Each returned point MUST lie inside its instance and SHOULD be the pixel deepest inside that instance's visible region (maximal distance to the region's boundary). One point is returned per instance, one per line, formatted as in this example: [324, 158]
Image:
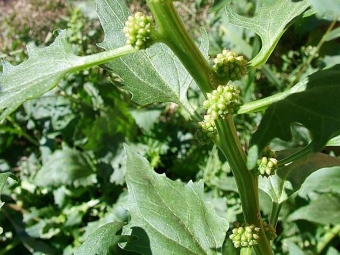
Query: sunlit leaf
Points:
[104, 241]
[152, 75]
[43, 70]
[270, 22]
[169, 217]
[316, 108]
[327, 9]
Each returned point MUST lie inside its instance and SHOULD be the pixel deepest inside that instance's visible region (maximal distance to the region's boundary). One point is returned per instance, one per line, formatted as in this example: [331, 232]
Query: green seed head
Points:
[268, 164]
[138, 30]
[244, 235]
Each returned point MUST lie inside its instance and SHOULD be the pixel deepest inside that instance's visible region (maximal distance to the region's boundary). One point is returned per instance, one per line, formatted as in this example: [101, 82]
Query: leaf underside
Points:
[151, 75]
[316, 108]
[167, 216]
[269, 23]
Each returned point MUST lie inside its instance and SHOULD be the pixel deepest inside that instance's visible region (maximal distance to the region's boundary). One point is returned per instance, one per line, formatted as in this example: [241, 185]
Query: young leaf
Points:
[66, 167]
[3, 180]
[269, 23]
[104, 241]
[167, 216]
[43, 70]
[152, 75]
[316, 108]
[289, 179]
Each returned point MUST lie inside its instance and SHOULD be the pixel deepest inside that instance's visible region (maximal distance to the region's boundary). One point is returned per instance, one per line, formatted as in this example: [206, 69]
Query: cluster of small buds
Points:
[206, 129]
[268, 164]
[269, 230]
[230, 65]
[244, 235]
[138, 29]
[222, 101]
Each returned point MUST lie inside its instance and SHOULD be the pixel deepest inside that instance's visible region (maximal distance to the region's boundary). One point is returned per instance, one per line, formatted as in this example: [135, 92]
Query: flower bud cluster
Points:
[206, 129]
[138, 29]
[230, 65]
[244, 235]
[222, 101]
[269, 230]
[268, 164]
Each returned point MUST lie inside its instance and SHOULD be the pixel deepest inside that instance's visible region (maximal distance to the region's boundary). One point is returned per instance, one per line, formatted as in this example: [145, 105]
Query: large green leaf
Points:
[104, 241]
[289, 179]
[167, 216]
[317, 108]
[270, 22]
[323, 181]
[66, 167]
[43, 70]
[324, 210]
[3, 181]
[151, 75]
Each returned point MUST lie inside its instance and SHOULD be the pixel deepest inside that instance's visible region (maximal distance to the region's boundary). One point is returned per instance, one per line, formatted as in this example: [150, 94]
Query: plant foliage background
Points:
[63, 156]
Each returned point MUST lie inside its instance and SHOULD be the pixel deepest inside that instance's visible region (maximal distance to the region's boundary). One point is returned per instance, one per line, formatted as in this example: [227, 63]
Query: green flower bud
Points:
[138, 30]
[222, 101]
[206, 130]
[269, 231]
[244, 235]
[230, 65]
[268, 164]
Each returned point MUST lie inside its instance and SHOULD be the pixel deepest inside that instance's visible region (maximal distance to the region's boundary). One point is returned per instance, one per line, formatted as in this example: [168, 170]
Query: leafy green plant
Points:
[163, 62]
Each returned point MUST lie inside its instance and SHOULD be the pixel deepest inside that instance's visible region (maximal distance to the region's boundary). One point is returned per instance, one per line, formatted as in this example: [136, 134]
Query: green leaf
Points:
[66, 167]
[270, 23]
[104, 241]
[316, 108]
[289, 179]
[167, 216]
[3, 181]
[152, 75]
[327, 9]
[324, 210]
[43, 70]
[323, 181]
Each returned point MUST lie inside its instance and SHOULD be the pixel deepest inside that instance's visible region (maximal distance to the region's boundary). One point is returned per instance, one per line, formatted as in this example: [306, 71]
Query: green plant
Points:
[168, 217]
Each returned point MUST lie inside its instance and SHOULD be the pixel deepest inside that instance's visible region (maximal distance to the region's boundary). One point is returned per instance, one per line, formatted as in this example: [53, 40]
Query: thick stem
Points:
[247, 183]
[175, 36]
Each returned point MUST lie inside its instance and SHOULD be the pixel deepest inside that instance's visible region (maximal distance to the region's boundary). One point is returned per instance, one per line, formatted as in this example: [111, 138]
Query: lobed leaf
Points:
[289, 179]
[270, 22]
[104, 241]
[43, 70]
[316, 108]
[167, 216]
[151, 75]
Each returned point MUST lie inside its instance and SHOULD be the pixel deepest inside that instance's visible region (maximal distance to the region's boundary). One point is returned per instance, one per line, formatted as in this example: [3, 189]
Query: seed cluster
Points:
[244, 235]
[268, 164]
[138, 29]
[230, 65]
[269, 230]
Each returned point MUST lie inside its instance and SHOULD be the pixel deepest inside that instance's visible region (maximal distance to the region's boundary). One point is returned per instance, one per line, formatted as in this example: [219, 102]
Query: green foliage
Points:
[78, 191]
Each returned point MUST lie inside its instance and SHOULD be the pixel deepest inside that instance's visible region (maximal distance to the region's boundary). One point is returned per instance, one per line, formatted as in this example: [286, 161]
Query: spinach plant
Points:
[156, 60]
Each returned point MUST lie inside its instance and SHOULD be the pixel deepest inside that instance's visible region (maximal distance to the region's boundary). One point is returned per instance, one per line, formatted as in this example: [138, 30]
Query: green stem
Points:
[247, 183]
[328, 237]
[274, 215]
[301, 153]
[22, 132]
[173, 33]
